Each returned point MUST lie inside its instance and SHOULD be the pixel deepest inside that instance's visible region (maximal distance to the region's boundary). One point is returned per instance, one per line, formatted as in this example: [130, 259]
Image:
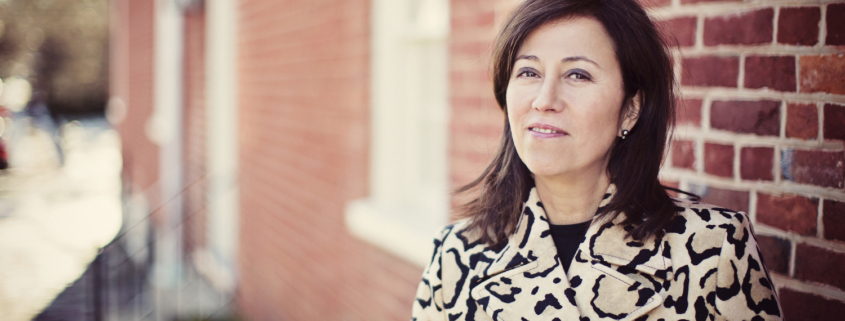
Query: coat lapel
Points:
[526, 280]
[624, 278]
[610, 278]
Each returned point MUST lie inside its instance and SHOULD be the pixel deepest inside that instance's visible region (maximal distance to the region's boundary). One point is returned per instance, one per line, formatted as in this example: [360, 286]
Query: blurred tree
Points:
[60, 46]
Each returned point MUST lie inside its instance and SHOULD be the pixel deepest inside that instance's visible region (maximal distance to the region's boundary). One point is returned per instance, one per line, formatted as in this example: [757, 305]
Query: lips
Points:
[546, 130]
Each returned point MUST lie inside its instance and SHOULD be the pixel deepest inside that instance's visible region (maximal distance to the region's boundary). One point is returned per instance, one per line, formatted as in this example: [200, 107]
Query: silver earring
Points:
[624, 133]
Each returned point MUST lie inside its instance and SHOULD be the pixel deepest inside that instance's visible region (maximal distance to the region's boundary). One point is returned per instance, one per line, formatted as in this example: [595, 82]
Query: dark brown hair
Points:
[634, 162]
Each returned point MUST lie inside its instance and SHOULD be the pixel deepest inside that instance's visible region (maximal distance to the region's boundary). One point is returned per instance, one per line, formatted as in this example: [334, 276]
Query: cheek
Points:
[509, 100]
[518, 102]
[603, 124]
[603, 117]
[600, 133]
[602, 130]
[512, 109]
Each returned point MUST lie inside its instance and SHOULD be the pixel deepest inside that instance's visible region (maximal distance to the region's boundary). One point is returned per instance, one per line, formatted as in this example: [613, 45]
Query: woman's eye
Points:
[578, 76]
[526, 73]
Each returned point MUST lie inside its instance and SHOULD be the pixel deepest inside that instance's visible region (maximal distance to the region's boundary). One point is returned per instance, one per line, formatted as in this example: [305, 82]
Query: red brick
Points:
[734, 200]
[799, 25]
[710, 71]
[823, 73]
[748, 28]
[755, 163]
[833, 220]
[470, 49]
[681, 30]
[775, 253]
[683, 154]
[719, 159]
[802, 121]
[815, 167]
[654, 3]
[774, 72]
[689, 112]
[672, 184]
[834, 121]
[820, 265]
[134, 82]
[792, 213]
[835, 24]
[697, 1]
[800, 306]
[750, 117]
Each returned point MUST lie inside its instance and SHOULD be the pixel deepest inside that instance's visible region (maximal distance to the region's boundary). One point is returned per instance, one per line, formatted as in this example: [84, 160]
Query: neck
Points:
[572, 200]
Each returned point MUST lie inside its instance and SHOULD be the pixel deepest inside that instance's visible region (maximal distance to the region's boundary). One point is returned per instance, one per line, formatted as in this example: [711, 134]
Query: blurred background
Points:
[291, 160]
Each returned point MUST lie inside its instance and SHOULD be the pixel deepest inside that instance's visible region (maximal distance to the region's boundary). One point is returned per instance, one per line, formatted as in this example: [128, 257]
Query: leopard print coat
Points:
[707, 266]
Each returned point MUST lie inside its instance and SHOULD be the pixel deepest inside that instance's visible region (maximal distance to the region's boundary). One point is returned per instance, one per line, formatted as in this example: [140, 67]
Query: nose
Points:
[547, 98]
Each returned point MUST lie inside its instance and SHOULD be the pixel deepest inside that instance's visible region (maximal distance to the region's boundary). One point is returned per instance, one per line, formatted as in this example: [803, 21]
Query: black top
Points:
[567, 238]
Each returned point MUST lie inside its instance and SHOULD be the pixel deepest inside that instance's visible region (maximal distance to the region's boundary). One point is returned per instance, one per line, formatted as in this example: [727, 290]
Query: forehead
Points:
[572, 36]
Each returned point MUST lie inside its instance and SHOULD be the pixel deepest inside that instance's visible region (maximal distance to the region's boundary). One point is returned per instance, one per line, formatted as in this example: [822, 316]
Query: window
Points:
[409, 196]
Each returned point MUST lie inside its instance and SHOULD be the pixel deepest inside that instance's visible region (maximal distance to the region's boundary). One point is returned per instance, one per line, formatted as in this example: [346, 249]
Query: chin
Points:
[545, 169]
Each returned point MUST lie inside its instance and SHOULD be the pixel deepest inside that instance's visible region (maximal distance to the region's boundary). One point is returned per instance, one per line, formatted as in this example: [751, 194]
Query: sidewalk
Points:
[53, 219]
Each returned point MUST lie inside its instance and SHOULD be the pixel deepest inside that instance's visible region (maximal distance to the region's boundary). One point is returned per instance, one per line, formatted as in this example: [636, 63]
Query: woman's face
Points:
[564, 99]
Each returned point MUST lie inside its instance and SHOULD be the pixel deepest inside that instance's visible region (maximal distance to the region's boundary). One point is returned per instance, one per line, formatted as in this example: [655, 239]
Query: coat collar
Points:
[530, 260]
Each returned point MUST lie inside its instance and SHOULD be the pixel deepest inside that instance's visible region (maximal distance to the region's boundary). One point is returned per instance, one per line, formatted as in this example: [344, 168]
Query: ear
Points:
[631, 113]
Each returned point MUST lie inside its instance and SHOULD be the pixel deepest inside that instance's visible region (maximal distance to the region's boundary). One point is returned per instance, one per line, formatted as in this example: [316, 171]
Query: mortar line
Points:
[736, 168]
[820, 219]
[820, 115]
[752, 205]
[797, 73]
[822, 26]
[792, 248]
[740, 82]
[775, 23]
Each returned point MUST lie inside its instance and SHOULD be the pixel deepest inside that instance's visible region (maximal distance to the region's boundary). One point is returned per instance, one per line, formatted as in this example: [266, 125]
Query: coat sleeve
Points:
[428, 304]
[744, 290]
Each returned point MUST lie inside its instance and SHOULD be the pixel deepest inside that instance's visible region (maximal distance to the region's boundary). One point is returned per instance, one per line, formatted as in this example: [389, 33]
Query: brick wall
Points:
[194, 130]
[133, 82]
[761, 130]
[304, 136]
[476, 123]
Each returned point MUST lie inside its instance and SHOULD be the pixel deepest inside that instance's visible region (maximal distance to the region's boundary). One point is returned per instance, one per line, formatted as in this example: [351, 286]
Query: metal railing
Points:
[121, 282]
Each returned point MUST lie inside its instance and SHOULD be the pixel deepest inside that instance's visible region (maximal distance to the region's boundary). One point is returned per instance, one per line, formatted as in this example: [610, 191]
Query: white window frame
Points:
[218, 261]
[409, 198]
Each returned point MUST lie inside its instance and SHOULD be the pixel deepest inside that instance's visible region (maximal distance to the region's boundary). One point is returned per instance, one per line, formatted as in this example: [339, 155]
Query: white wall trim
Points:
[164, 129]
[367, 222]
[222, 131]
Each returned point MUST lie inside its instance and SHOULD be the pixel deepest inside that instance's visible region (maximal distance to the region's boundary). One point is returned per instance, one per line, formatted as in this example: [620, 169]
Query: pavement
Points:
[54, 217]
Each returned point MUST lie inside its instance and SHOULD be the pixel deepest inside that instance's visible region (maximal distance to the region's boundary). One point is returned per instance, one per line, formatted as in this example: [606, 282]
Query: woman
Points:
[570, 221]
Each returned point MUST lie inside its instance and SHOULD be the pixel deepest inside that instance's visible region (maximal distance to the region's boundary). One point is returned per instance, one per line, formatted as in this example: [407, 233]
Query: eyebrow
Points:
[567, 59]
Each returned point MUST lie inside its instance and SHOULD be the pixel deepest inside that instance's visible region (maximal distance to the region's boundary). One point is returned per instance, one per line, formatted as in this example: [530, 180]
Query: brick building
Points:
[311, 145]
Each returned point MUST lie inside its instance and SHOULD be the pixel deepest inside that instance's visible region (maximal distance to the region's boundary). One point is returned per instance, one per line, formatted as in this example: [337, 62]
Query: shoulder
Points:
[458, 250]
[457, 237]
[708, 213]
[716, 232]
[707, 223]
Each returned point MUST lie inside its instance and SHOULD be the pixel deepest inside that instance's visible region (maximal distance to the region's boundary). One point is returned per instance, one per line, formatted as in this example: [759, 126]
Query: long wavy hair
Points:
[634, 162]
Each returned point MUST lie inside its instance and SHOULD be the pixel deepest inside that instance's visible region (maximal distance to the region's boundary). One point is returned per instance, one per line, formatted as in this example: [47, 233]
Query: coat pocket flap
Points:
[618, 296]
